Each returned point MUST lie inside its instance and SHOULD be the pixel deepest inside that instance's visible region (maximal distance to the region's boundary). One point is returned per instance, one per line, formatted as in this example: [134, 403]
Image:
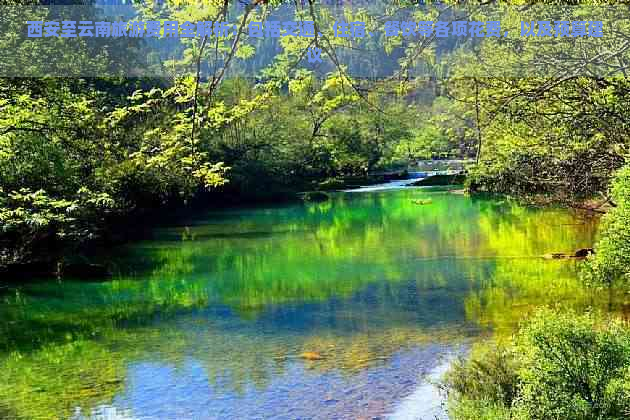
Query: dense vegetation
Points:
[561, 366]
[77, 155]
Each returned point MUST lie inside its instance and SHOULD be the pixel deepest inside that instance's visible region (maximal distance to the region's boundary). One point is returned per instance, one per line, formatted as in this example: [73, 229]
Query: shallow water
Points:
[343, 309]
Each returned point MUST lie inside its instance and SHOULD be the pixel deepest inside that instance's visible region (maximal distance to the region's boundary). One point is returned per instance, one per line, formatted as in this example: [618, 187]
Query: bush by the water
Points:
[484, 386]
[612, 260]
[560, 366]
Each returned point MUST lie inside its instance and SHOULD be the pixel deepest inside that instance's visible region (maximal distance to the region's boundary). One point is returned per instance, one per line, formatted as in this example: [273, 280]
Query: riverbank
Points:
[58, 259]
[53, 256]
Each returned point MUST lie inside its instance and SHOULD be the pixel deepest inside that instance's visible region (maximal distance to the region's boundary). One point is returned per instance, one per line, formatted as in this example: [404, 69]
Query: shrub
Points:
[29, 219]
[489, 375]
[560, 366]
[573, 367]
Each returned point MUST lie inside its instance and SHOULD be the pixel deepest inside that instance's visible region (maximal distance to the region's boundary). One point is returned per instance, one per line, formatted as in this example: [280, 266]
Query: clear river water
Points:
[350, 308]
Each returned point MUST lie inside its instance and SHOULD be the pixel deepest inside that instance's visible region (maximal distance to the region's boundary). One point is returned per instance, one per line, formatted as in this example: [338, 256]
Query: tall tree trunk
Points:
[477, 122]
[193, 147]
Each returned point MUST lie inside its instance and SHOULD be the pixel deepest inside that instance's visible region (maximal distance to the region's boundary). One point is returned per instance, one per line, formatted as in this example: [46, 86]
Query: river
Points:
[350, 308]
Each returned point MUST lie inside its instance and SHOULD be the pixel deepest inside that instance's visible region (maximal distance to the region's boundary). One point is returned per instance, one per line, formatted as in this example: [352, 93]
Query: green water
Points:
[322, 310]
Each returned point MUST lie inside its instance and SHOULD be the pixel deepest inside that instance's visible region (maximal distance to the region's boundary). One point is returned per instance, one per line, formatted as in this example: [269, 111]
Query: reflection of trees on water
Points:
[353, 280]
[518, 285]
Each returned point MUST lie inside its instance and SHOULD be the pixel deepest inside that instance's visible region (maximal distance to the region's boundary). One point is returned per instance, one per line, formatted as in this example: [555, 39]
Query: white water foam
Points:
[386, 186]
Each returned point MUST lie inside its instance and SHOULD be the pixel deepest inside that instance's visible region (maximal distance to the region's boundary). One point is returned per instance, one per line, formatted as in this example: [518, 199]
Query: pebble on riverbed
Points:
[311, 355]
[422, 202]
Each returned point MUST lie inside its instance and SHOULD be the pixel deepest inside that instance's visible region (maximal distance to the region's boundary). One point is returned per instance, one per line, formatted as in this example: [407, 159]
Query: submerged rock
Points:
[422, 202]
[311, 355]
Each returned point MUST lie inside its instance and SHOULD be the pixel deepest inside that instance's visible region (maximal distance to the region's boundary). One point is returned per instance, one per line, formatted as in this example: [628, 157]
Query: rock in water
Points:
[311, 355]
[583, 252]
[579, 254]
[422, 202]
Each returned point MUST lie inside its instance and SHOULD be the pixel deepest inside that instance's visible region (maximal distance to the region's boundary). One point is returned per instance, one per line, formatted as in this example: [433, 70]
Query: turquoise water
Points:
[339, 309]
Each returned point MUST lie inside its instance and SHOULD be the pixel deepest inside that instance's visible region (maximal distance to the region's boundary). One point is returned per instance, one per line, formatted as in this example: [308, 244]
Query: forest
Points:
[85, 158]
